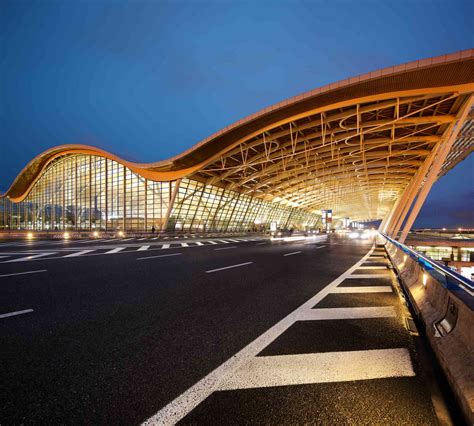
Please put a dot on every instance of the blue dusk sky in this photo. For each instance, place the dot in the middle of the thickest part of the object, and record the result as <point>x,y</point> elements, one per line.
<point>148,79</point>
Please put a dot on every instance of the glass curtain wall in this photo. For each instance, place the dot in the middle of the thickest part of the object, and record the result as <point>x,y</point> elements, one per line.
<point>86,193</point>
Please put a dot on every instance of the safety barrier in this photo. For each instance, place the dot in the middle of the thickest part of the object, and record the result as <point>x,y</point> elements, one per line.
<point>443,301</point>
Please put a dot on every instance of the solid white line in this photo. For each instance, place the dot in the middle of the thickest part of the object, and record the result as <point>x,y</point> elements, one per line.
<point>373,267</point>
<point>347,313</point>
<point>12,314</point>
<point>161,255</point>
<point>115,250</point>
<point>165,246</point>
<point>225,248</point>
<point>198,243</point>
<point>23,273</point>
<point>24,259</point>
<point>368,276</point>
<point>143,248</point>
<point>192,397</point>
<point>365,289</point>
<point>292,253</point>
<point>327,367</point>
<point>228,267</point>
<point>184,245</point>
<point>78,253</point>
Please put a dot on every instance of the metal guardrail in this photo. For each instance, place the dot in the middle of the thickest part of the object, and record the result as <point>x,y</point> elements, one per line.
<point>452,278</point>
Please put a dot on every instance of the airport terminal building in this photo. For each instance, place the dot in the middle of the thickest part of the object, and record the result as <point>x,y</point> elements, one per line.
<point>359,147</point>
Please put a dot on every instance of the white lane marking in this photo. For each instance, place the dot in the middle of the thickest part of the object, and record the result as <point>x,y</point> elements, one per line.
<point>127,239</point>
<point>192,397</point>
<point>3,257</point>
<point>365,289</point>
<point>347,313</point>
<point>240,240</point>
<point>143,248</point>
<point>225,248</point>
<point>115,250</point>
<point>198,243</point>
<point>161,255</point>
<point>165,246</point>
<point>78,253</point>
<point>141,239</point>
<point>377,256</point>
<point>24,259</point>
<point>292,253</point>
<point>224,241</point>
<point>373,267</point>
<point>23,273</point>
<point>228,267</point>
<point>326,367</point>
<point>235,241</point>
<point>155,238</point>
<point>368,276</point>
<point>212,242</point>
<point>318,247</point>
<point>184,245</point>
<point>12,314</point>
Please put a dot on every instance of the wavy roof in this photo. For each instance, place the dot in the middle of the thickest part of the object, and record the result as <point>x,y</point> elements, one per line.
<point>351,145</point>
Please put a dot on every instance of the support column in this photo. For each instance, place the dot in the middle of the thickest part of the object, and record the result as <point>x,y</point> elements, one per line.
<point>170,206</point>
<point>436,166</point>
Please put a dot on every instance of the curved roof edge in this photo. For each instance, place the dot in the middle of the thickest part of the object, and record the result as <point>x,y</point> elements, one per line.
<point>447,72</point>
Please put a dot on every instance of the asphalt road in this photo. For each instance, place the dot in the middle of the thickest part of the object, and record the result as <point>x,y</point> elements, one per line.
<point>119,330</point>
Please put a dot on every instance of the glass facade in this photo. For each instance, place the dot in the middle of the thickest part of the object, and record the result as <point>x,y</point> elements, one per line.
<point>87,193</point>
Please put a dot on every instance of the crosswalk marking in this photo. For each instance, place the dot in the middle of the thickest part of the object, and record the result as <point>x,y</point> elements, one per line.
<point>198,243</point>
<point>212,242</point>
<point>165,246</point>
<point>143,248</point>
<point>115,250</point>
<point>327,367</point>
<point>24,259</point>
<point>78,253</point>
<point>373,267</point>
<point>365,289</point>
<point>347,313</point>
<point>367,276</point>
<point>184,245</point>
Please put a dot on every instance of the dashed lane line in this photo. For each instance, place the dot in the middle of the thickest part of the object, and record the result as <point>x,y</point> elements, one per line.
<point>365,289</point>
<point>192,397</point>
<point>228,267</point>
<point>23,273</point>
<point>225,248</point>
<point>115,250</point>
<point>24,259</point>
<point>292,253</point>
<point>161,255</point>
<point>12,314</point>
<point>78,253</point>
